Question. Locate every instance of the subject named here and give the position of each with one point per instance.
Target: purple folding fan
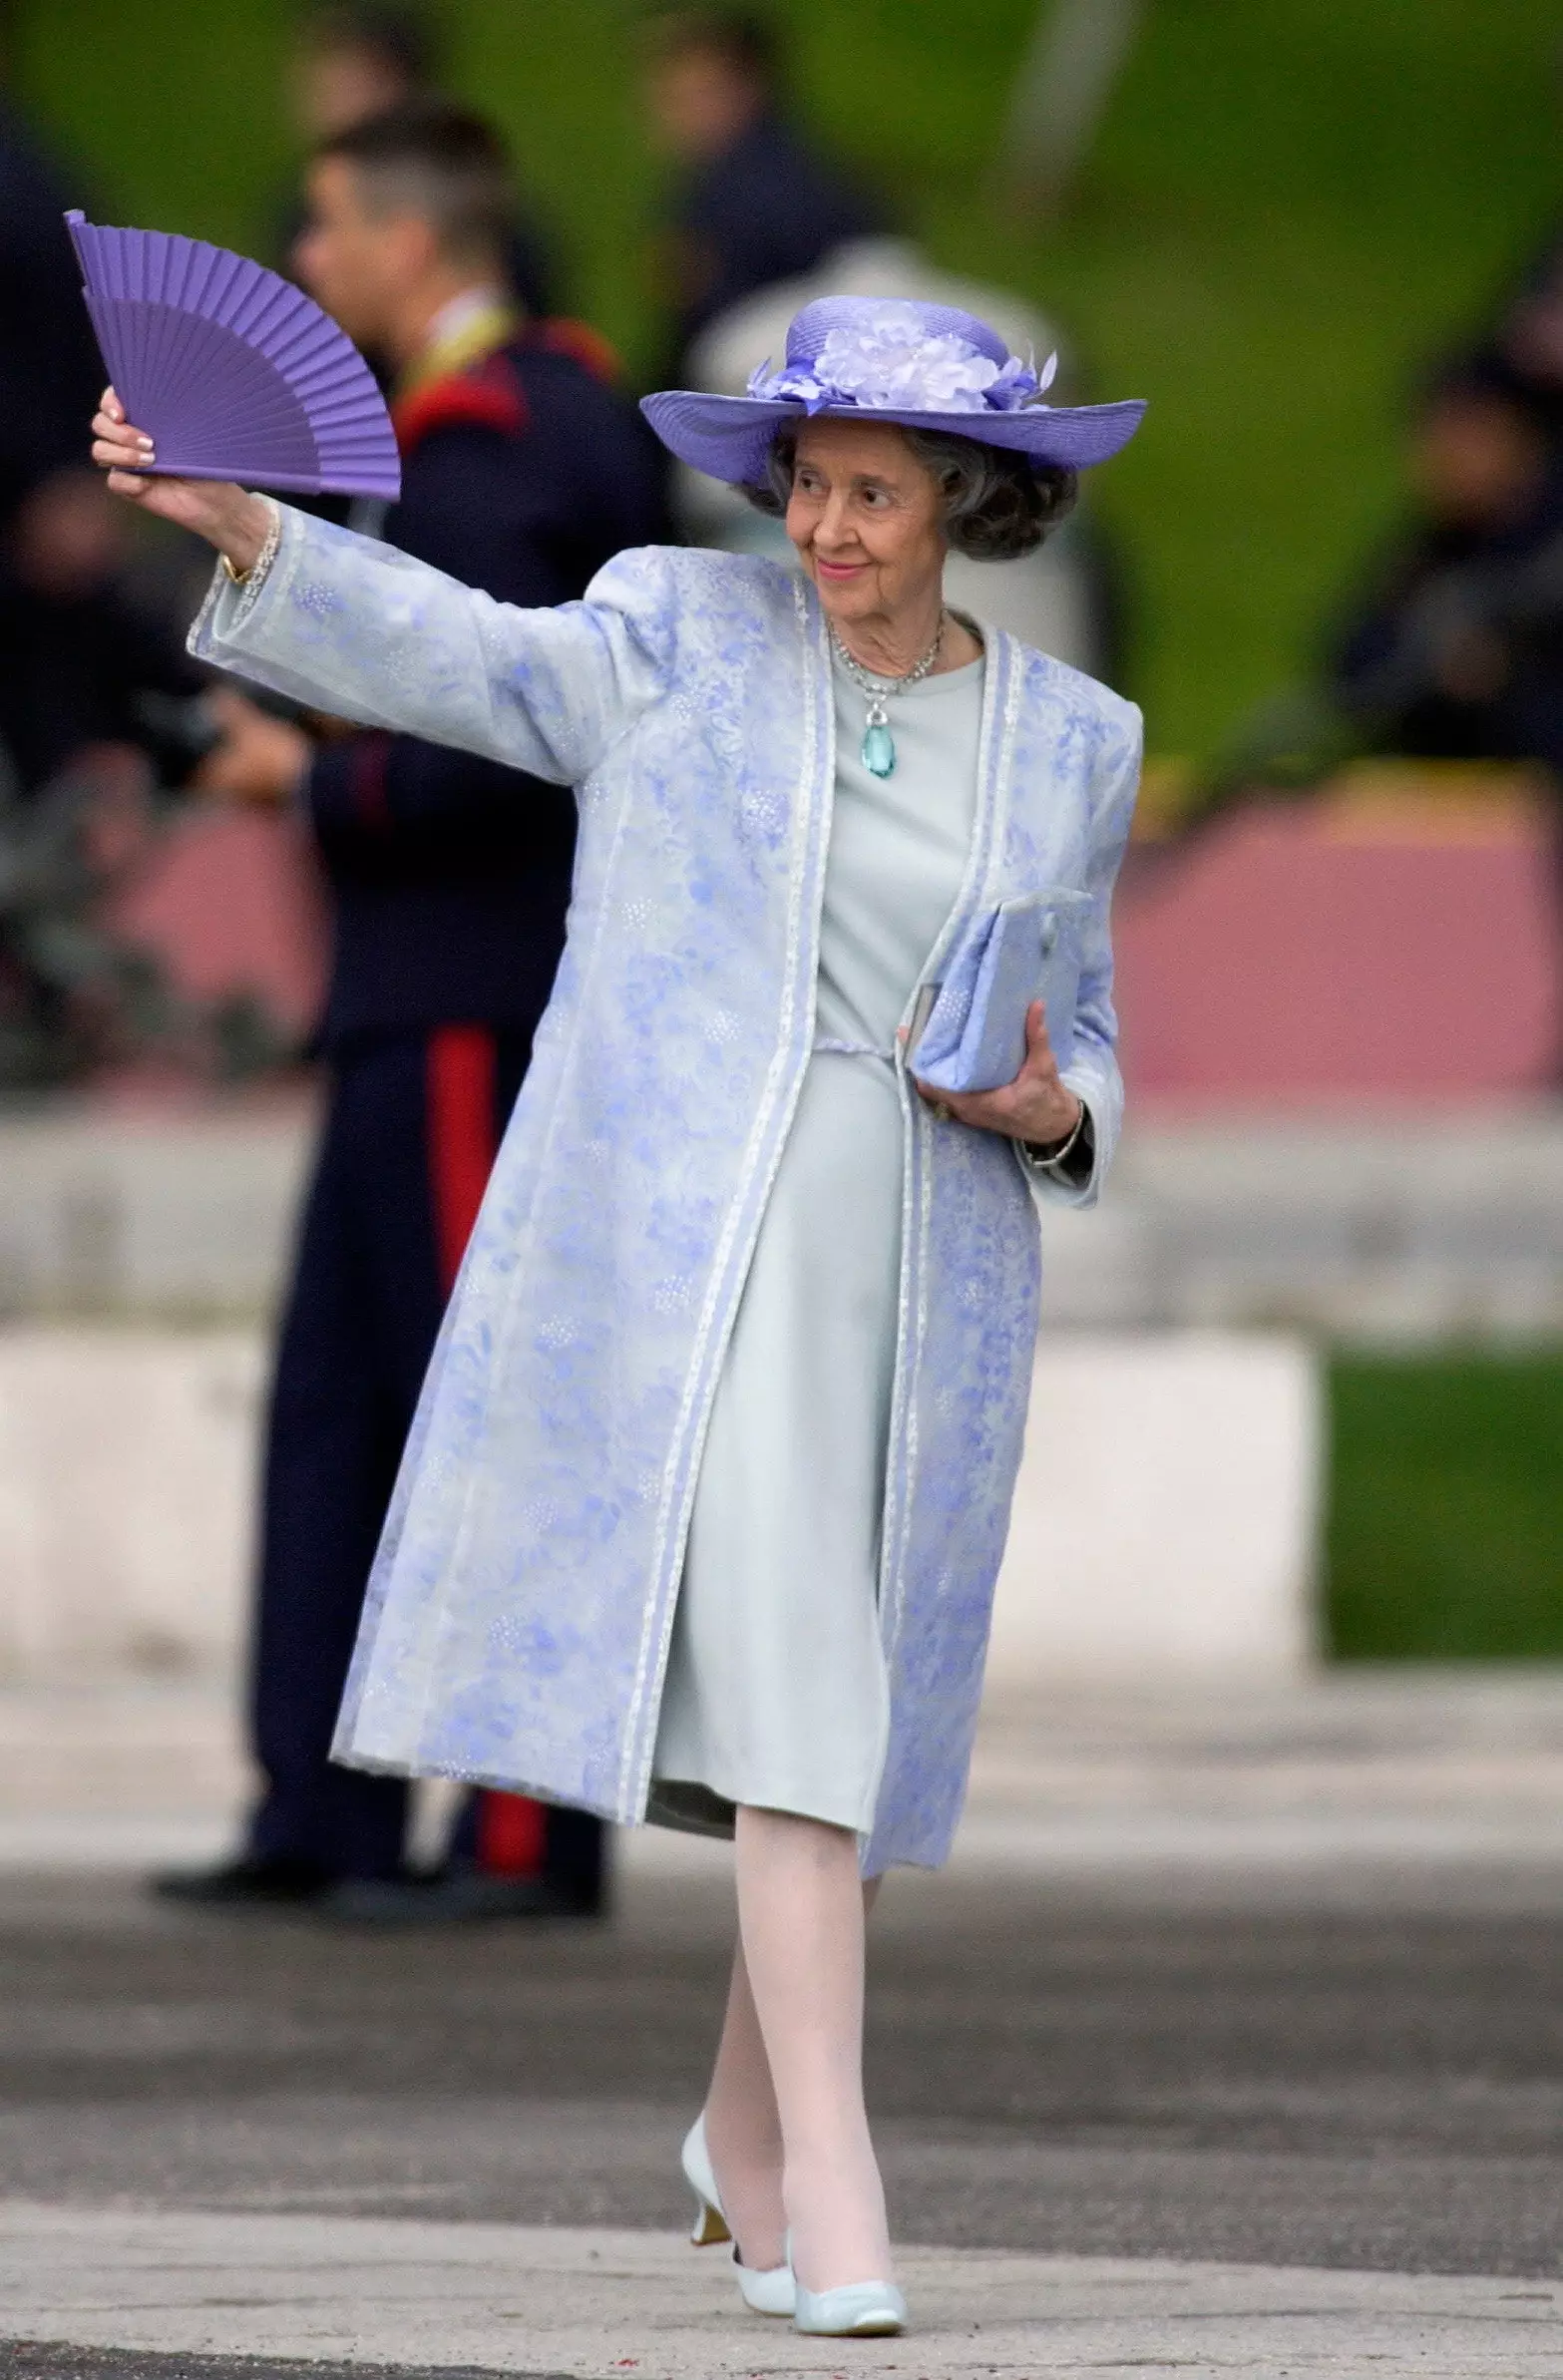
(233, 373)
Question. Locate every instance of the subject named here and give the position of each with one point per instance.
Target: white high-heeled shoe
(853, 2310)
(857, 2310)
(772, 2292)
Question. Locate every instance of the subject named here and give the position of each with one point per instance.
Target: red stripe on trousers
(366, 775)
(463, 1135)
(461, 1072)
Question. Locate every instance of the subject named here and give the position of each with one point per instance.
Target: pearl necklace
(879, 746)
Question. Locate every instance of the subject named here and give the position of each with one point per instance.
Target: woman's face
(867, 519)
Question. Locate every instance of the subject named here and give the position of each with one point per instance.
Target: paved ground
(554, 2304)
(1232, 2044)
(1051, 2072)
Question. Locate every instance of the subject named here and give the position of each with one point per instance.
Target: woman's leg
(744, 2130)
(800, 1917)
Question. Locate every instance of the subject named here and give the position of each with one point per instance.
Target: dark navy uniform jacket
(768, 209)
(449, 876)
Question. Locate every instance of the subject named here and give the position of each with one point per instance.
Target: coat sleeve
(1092, 1073)
(353, 628)
(488, 510)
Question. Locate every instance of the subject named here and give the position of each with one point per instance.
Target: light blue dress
(776, 1691)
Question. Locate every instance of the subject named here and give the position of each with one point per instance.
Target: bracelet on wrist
(255, 571)
(1043, 1152)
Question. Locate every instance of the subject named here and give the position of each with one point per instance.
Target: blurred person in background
(83, 647)
(351, 62)
(1455, 651)
(753, 202)
(47, 351)
(79, 650)
(99, 702)
(522, 473)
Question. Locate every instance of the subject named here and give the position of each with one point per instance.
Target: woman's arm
(1092, 1071)
(353, 628)
(1065, 1123)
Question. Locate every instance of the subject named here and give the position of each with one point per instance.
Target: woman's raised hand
(1039, 1107)
(226, 515)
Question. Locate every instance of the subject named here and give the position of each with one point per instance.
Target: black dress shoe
(242, 1883)
(448, 1896)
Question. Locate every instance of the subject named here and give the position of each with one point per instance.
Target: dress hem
(688, 1807)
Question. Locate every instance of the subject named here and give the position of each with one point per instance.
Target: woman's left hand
(1037, 1107)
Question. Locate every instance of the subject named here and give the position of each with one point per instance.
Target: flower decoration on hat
(887, 360)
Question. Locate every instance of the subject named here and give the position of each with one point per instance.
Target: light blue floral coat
(518, 1618)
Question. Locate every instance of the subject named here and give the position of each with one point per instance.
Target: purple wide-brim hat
(894, 361)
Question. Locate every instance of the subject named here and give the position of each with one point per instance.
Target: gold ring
(943, 1114)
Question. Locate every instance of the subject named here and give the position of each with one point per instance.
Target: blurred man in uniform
(354, 59)
(522, 473)
(754, 202)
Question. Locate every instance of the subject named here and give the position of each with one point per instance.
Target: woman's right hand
(227, 517)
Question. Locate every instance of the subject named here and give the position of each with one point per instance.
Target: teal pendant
(879, 749)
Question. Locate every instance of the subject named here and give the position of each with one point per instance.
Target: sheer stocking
(796, 2009)
(744, 2130)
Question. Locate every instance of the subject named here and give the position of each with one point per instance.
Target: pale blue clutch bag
(1029, 948)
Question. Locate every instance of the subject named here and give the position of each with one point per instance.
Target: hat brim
(729, 437)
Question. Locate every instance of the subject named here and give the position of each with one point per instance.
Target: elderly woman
(701, 1514)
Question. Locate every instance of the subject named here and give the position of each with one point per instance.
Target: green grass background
(1444, 1537)
(1293, 200)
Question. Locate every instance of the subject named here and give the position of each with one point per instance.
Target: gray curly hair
(997, 504)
